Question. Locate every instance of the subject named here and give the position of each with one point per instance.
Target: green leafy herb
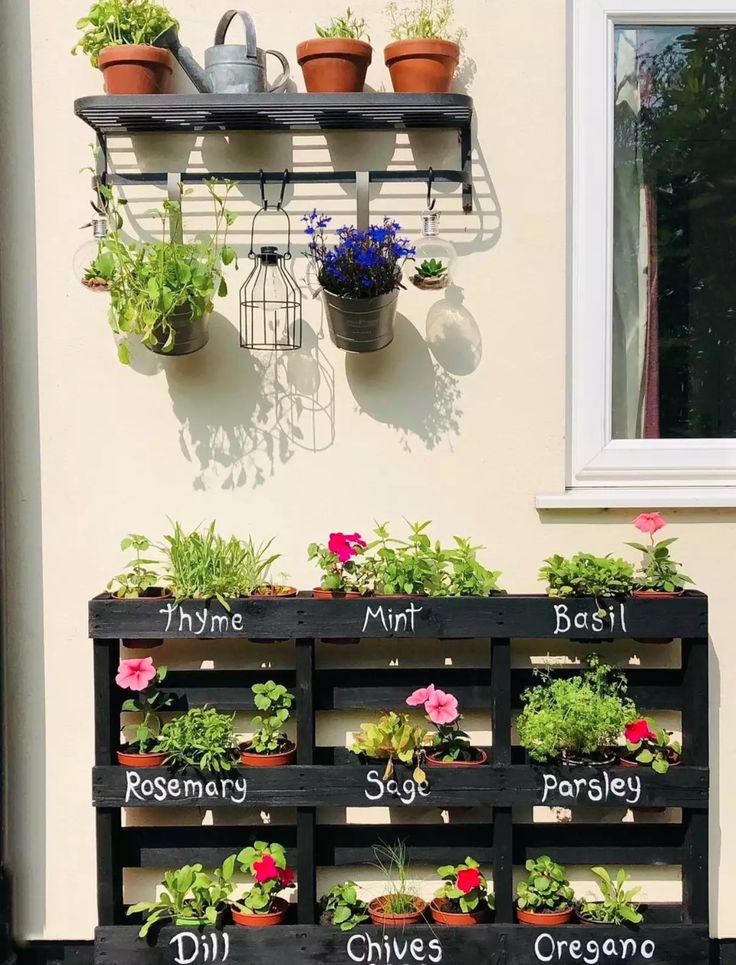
(425, 20)
(138, 578)
(587, 575)
(617, 907)
(110, 23)
(393, 738)
(342, 907)
(201, 738)
(275, 701)
(189, 895)
(546, 888)
(348, 27)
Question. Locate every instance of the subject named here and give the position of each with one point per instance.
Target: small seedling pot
(456, 919)
(422, 66)
(277, 915)
(251, 759)
(129, 759)
(379, 915)
(154, 593)
(274, 591)
(334, 65)
(483, 759)
(545, 919)
(136, 69)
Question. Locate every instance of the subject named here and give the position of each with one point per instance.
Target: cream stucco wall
(465, 436)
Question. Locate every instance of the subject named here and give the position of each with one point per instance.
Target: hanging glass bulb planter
(435, 257)
(92, 265)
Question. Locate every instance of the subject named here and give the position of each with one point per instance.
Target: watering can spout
(169, 40)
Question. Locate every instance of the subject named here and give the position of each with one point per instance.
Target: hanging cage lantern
(270, 299)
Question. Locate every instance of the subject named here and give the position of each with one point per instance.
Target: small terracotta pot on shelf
(251, 759)
(334, 65)
(130, 759)
(136, 69)
(455, 919)
(320, 594)
(275, 591)
(154, 593)
(545, 919)
(277, 916)
(379, 915)
(483, 759)
(422, 66)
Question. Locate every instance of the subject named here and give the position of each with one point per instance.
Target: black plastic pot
(190, 334)
(361, 324)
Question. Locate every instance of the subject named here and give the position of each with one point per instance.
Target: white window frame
(655, 468)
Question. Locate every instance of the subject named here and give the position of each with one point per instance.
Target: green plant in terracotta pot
(336, 61)
(617, 906)
(425, 52)
(398, 907)
(545, 898)
(141, 677)
(393, 739)
(141, 579)
(658, 575)
(190, 897)
(118, 37)
(650, 746)
(201, 738)
(584, 574)
(269, 746)
(410, 567)
(450, 746)
(342, 907)
(341, 563)
(261, 907)
(464, 898)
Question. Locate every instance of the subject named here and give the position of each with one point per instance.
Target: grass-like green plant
(275, 703)
(137, 578)
(617, 906)
(349, 27)
(587, 575)
(110, 23)
(202, 564)
(575, 717)
(342, 907)
(393, 863)
(546, 888)
(393, 738)
(190, 897)
(423, 20)
(201, 738)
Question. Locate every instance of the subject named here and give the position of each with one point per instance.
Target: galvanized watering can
(228, 68)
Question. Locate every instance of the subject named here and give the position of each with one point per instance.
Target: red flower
(343, 545)
(467, 879)
(265, 869)
(286, 877)
(638, 731)
(649, 522)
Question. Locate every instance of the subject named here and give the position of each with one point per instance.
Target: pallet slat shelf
(503, 792)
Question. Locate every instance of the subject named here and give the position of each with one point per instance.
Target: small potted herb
(201, 738)
(425, 53)
(617, 906)
(190, 897)
(410, 567)
(360, 277)
(545, 898)
(256, 569)
(140, 676)
(451, 746)
(650, 746)
(119, 37)
(337, 60)
(394, 738)
(340, 562)
(466, 575)
(269, 746)
(138, 581)
(261, 907)
(342, 908)
(602, 577)
(658, 576)
(464, 898)
(399, 907)
(578, 719)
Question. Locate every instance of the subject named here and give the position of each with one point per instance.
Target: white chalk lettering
(162, 788)
(169, 611)
(392, 622)
(595, 789)
(392, 950)
(206, 946)
(406, 791)
(237, 622)
(549, 949)
(592, 621)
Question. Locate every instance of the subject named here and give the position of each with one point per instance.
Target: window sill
(695, 497)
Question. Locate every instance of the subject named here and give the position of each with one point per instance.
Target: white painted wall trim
(651, 498)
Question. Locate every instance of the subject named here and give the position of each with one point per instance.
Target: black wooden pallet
(501, 792)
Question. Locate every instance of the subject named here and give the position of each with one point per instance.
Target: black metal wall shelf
(498, 796)
(163, 113)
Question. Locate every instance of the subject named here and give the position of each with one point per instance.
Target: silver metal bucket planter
(361, 324)
(190, 334)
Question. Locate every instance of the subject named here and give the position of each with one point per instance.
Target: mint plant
(466, 576)
(342, 907)
(411, 566)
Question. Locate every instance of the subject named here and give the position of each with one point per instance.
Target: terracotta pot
(154, 593)
(277, 592)
(334, 65)
(435, 763)
(656, 594)
(267, 760)
(280, 909)
(624, 763)
(128, 759)
(376, 909)
(422, 66)
(319, 594)
(456, 918)
(545, 919)
(136, 69)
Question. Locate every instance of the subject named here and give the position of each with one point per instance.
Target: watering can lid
(250, 30)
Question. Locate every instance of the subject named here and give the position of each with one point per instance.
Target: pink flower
(441, 707)
(649, 522)
(286, 877)
(265, 869)
(638, 731)
(135, 674)
(467, 879)
(420, 696)
(343, 545)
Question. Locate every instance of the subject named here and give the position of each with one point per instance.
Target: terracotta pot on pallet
(545, 919)
(455, 918)
(319, 594)
(251, 759)
(422, 66)
(136, 69)
(154, 593)
(379, 915)
(129, 759)
(334, 65)
(277, 916)
(483, 759)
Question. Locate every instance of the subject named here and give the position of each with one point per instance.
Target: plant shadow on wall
(404, 388)
(243, 413)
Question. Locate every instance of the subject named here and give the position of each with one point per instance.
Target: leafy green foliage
(459, 899)
(393, 738)
(348, 576)
(425, 20)
(113, 22)
(276, 702)
(148, 703)
(575, 716)
(189, 895)
(465, 575)
(392, 861)
(342, 907)
(348, 27)
(546, 888)
(414, 565)
(433, 268)
(658, 571)
(658, 752)
(452, 744)
(587, 575)
(201, 738)
(254, 860)
(100, 271)
(617, 907)
(137, 578)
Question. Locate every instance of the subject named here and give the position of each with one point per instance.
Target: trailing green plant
(393, 863)
(423, 20)
(152, 281)
(275, 701)
(190, 896)
(432, 269)
(577, 716)
(414, 565)
(139, 675)
(617, 906)
(349, 27)
(110, 23)
(341, 906)
(657, 571)
(651, 746)
(587, 575)
(546, 888)
(393, 738)
(137, 578)
(466, 576)
(202, 564)
(465, 888)
(267, 864)
(201, 738)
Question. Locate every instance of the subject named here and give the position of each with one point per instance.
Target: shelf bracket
(174, 192)
(466, 162)
(363, 200)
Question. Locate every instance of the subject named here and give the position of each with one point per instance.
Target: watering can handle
(283, 77)
(250, 30)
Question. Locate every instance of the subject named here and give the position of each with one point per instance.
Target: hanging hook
(284, 180)
(430, 200)
(264, 199)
